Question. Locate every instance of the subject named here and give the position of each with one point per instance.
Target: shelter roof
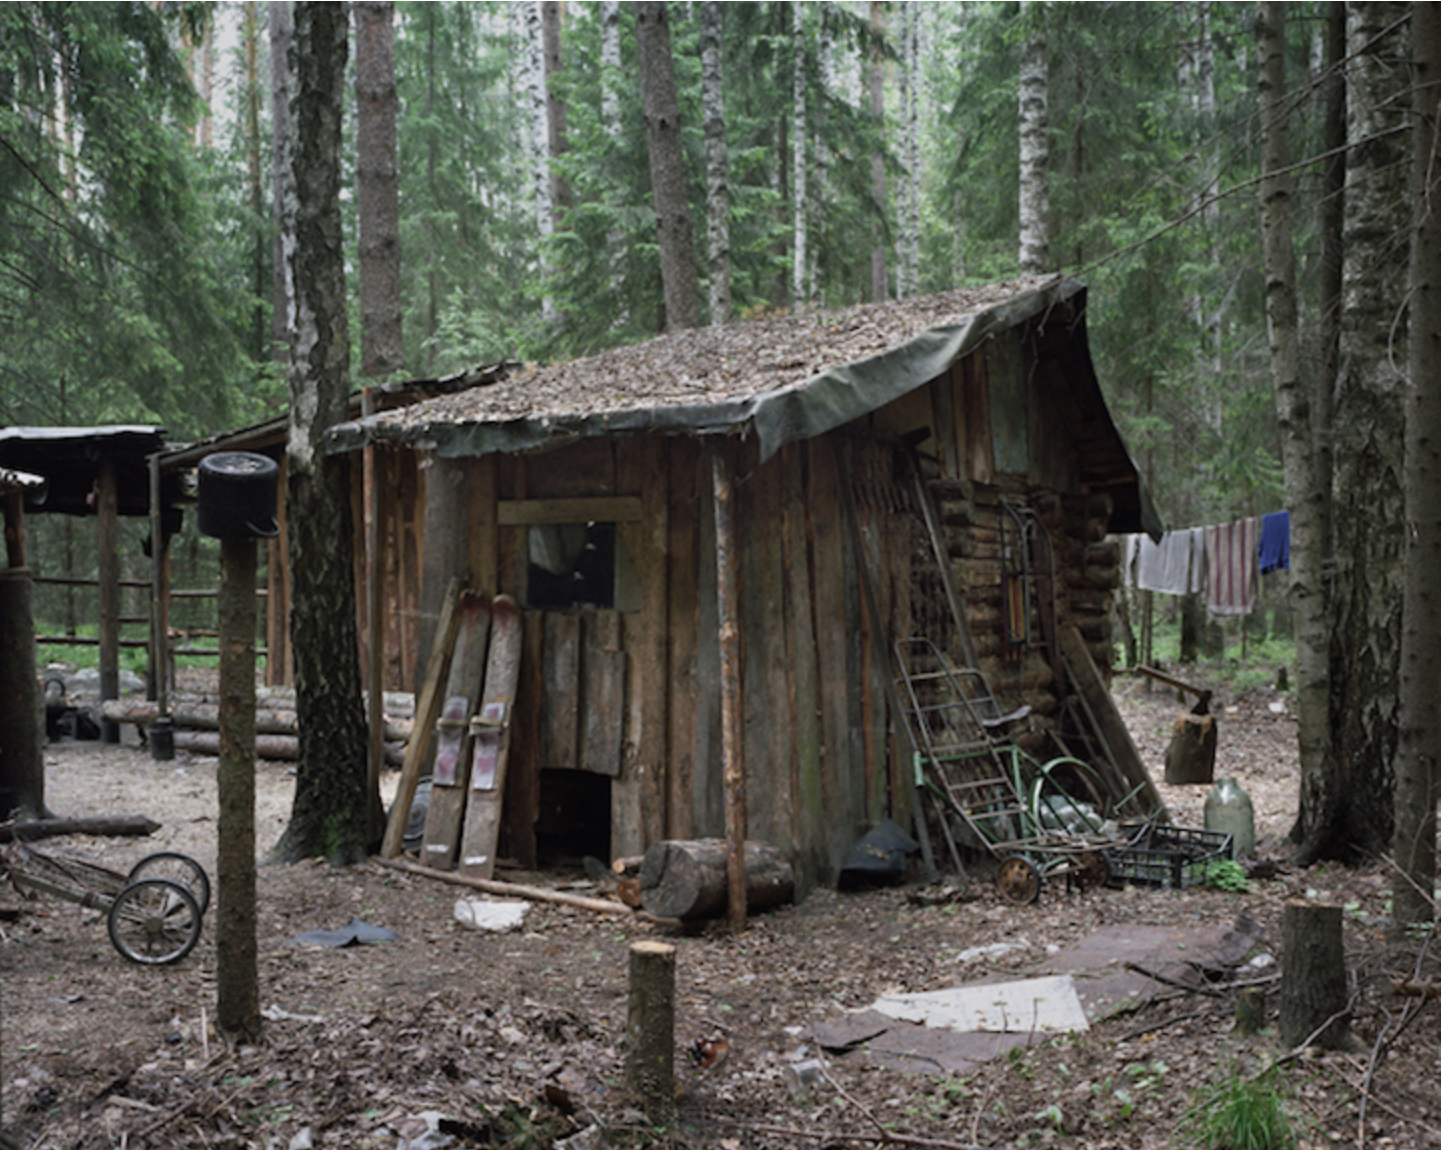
(782, 378)
(69, 460)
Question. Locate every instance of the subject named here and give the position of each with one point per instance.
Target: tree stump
(651, 1029)
(687, 878)
(1251, 1013)
(1314, 976)
(1192, 753)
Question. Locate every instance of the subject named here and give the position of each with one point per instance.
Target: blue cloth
(1274, 550)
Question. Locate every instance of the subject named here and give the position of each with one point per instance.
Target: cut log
(1192, 753)
(118, 826)
(687, 879)
(1314, 976)
(205, 716)
(283, 748)
(651, 1029)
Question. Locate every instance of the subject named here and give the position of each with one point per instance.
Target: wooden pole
(651, 1029)
(375, 624)
(733, 778)
(236, 976)
(162, 743)
(107, 511)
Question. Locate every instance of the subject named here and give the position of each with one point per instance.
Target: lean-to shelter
(584, 490)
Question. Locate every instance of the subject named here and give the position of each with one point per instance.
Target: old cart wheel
(178, 868)
(154, 921)
(1018, 880)
(1092, 869)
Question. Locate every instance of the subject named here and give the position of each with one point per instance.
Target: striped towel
(1232, 568)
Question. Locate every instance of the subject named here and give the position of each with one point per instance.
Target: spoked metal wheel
(1091, 870)
(1018, 880)
(154, 921)
(178, 868)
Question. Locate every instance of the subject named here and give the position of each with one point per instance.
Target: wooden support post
(162, 741)
(651, 1029)
(375, 622)
(236, 977)
(107, 510)
(1314, 976)
(733, 777)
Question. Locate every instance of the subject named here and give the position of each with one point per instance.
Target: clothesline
(1223, 560)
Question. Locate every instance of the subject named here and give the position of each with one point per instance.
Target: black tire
(178, 868)
(154, 922)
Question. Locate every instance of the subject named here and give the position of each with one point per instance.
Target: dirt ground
(453, 1037)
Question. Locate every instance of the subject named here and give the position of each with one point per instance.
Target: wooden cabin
(585, 490)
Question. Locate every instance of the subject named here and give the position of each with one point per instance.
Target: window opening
(571, 566)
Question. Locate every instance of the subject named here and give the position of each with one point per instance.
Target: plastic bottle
(1229, 809)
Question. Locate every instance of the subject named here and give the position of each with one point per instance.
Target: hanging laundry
(1165, 567)
(1274, 552)
(1232, 567)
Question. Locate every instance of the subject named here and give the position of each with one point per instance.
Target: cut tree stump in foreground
(651, 1029)
(686, 879)
(1314, 976)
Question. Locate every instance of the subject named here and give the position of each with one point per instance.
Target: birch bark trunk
(1034, 255)
(798, 158)
(718, 210)
(533, 85)
(876, 92)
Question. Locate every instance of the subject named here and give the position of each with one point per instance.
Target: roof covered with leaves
(785, 377)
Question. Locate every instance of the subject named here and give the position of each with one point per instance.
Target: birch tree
(908, 275)
(611, 66)
(718, 208)
(877, 95)
(538, 151)
(1034, 252)
(282, 192)
(668, 166)
(330, 815)
(1346, 813)
(555, 107)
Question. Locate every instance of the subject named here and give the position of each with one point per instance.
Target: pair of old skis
(473, 737)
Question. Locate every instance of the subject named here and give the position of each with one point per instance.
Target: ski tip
(504, 605)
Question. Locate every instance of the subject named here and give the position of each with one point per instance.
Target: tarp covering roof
(783, 379)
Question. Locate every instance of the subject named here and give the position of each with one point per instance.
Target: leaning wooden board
(491, 742)
(448, 777)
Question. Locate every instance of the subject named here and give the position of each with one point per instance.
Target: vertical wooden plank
(728, 605)
(444, 554)
(482, 558)
(561, 689)
(768, 730)
(603, 693)
(803, 701)
(828, 549)
(522, 803)
(682, 621)
(976, 403)
(707, 802)
(107, 516)
(638, 798)
(943, 404)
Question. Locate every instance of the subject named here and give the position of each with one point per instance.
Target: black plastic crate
(1165, 856)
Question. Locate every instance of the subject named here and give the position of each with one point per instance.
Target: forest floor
(450, 1036)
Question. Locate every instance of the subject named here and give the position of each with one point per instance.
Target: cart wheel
(1018, 880)
(177, 868)
(154, 921)
(1092, 869)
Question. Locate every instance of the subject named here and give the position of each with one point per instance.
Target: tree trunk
(1347, 812)
(1034, 253)
(878, 156)
(331, 811)
(378, 189)
(282, 191)
(718, 224)
(611, 67)
(1314, 975)
(556, 145)
(236, 974)
(688, 879)
(1414, 839)
(1308, 598)
(1329, 266)
(539, 134)
(250, 35)
(798, 157)
(909, 272)
(668, 166)
(22, 764)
